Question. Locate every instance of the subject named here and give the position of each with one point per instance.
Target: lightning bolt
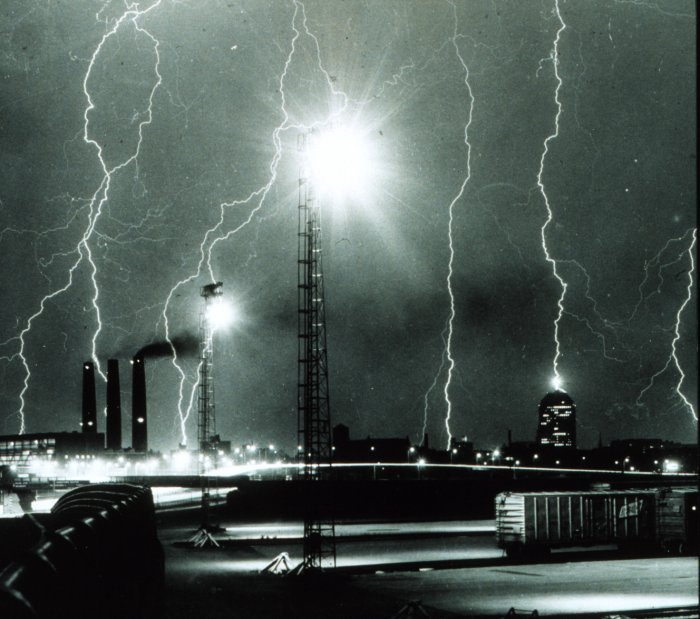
(447, 357)
(599, 326)
(256, 199)
(433, 385)
(554, 57)
(450, 265)
(40, 235)
(673, 357)
(498, 221)
(608, 325)
(656, 264)
(83, 250)
(653, 6)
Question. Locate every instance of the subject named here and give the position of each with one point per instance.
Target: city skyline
(530, 212)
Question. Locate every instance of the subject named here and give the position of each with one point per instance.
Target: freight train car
(677, 519)
(536, 522)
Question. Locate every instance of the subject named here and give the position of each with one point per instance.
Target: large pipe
(114, 407)
(89, 418)
(139, 419)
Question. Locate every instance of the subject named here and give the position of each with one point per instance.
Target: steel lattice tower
(314, 422)
(207, 438)
(206, 420)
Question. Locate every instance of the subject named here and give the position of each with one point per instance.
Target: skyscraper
(557, 421)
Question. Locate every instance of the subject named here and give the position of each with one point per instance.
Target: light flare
(220, 314)
(339, 161)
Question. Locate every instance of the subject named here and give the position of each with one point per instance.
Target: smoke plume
(185, 344)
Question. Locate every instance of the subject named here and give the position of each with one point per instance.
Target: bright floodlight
(182, 460)
(339, 161)
(219, 314)
(671, 466)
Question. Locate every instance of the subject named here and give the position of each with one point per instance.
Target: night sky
(194, 109)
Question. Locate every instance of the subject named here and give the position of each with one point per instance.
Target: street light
(420, 464)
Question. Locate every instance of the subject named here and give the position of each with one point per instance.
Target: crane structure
(313, 409)
(207, 438)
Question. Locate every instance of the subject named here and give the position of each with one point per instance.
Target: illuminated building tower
(313, 411)
(139, 417)
(89, 419)
(114, 407)
(206, 420)
(557, 421)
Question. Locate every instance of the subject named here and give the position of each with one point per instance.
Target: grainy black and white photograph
(377, 309)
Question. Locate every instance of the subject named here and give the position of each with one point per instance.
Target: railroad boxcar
(677, 519)
(532, 522)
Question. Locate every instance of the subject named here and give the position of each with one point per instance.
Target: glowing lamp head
(339, 161)
(219, 314)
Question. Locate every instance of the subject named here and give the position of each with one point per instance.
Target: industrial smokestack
(89, 420)
(139, 420)
(114, 407)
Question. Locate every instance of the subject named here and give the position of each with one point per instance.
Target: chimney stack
(114, 407)
(139, 420)
(89, 419)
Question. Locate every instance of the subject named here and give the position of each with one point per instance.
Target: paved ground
(605, 586)
(224, 582)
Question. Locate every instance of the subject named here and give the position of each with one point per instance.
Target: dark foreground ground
(380, 574)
